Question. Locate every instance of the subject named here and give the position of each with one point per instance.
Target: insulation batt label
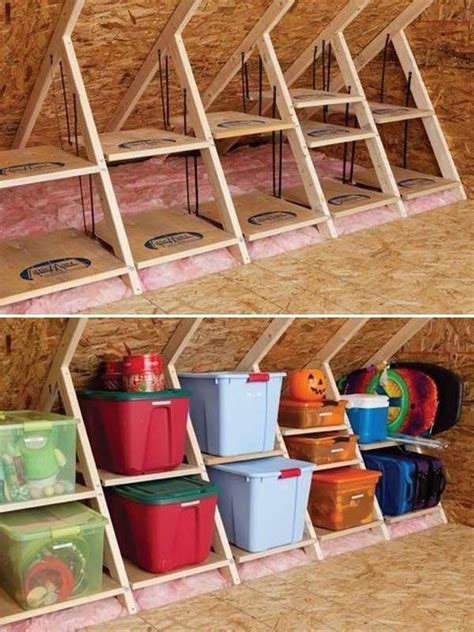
(53, 267)
(29, 167)
(169, 240)
(146, 143)
(270, 217)
(339, 200)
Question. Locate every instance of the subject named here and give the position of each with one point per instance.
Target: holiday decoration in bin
(368, 415)
(326, 448)
(37, 455)
(263, 502)
(234, 413)
(342, 498)
(51, 554)
(136, 433)
(172, 522)
(134, 373)
(304, 404)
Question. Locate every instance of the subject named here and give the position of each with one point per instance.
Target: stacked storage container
(262, 501)
(368, 415)
(51, 554)
(37, 455)
(136, 432)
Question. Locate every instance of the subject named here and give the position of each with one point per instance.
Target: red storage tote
(164, 525)
(136, 433)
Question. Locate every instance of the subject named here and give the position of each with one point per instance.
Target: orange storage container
(343, 498)
(293, 414)
(328, 447)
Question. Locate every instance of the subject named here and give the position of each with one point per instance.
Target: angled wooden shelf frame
(168, 234)
(262, 214)
(411, 184)
(59, 384)
(49, 262)
(343, 197)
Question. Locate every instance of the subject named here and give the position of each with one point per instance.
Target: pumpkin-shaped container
(307, 385)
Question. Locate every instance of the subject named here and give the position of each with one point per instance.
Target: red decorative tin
(143, 373)
(112, 378)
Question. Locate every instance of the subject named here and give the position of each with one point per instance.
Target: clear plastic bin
(51, 554)
(343, 498)
(234, 413)
(293, 414)
(37, 455)
(328, 447)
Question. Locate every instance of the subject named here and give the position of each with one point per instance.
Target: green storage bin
(37, 455)
(51, 554)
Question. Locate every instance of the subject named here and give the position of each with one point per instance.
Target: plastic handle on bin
(258, 377)
(67, 532)
(191, 503)
(357, 496)
(291, 472)
(326, 414)
(162, 403)
(337, 450)
(35, 426)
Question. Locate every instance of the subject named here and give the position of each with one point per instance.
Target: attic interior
(68, 358)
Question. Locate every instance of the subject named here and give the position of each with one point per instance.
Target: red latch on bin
(258, 377)
(291, 472)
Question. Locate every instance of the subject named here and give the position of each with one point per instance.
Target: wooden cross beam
(181, 17)
(67, 21)
(342, 20)
(264, 26)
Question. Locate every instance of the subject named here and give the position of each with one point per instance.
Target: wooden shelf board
(241, 556)
(318, 134)
(336, 464)
(81, 493)
(289, 432)
(391, 113)
(365, 447)
(325, 534)
(11, 612)
(262, 215)
(210, 459)
(343, 199)
(413, 514)
(235, 124)
(308, 98)
(109, 479)
(411, 184)
(166, 235)
(40, 164)
(146, 142)
(50, 262)
(141, 579)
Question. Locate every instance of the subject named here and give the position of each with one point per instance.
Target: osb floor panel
(419, 582)
(420, 265)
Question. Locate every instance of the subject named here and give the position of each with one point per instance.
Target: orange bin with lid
(343, 498)
(294, 414)
(326, 448)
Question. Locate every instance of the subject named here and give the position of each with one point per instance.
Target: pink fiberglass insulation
(155, 184)
(171, 592)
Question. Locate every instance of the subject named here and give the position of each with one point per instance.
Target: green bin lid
(179, 490)
(55, 521)
(126, 396)
(18, 418)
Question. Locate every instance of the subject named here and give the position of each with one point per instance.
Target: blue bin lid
(238, 375)
(272, 467)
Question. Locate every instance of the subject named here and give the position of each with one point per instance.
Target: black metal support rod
(384, 69)
(260, 85)
(244, 96)
(315, 60)
(407, 122)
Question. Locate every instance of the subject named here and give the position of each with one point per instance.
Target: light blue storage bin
(368, 415)
(234, 413)
(263, 502)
